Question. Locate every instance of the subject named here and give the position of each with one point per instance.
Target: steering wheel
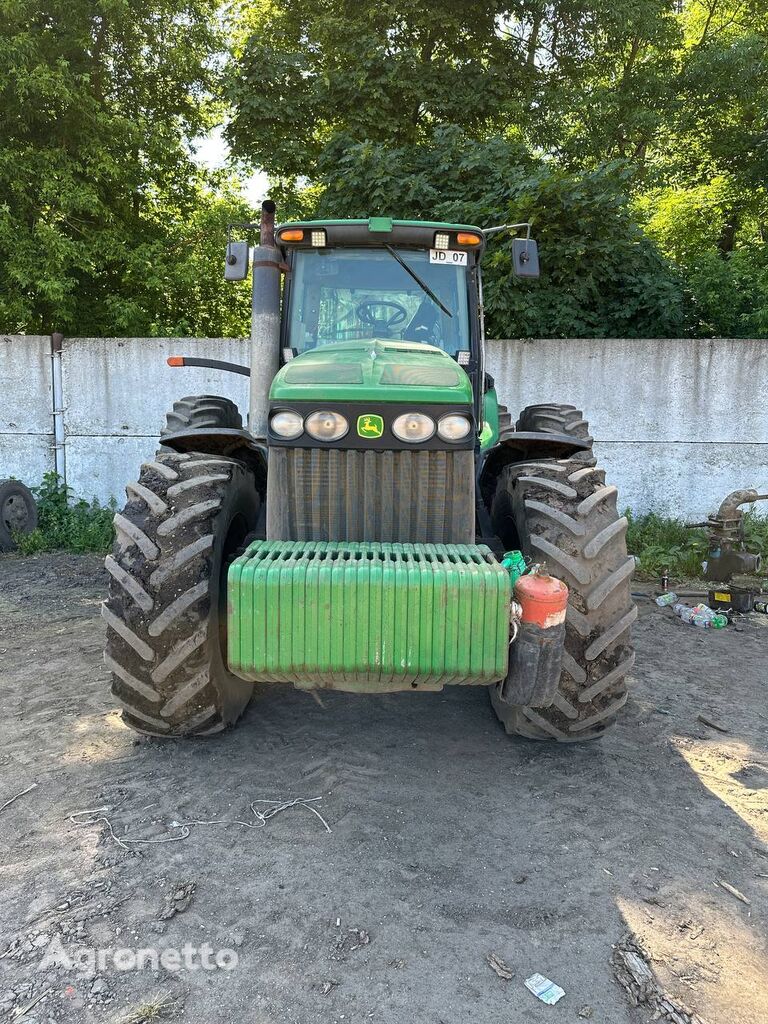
(366, 314)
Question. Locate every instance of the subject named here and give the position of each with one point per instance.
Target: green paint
(377, 361)
(370, 426)
(490, 432)
(383, 224)
(514, 563)
(368, 617)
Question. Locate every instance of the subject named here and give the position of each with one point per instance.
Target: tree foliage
(636, 130)
(600, 275)
(633, 132)
(105, 219)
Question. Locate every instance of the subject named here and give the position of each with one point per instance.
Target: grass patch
(154, 1009)
(67, 524)
(662, 543)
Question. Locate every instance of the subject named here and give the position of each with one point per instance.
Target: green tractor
(371, 527)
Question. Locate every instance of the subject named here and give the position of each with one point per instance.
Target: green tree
(580, 102)
(103, 211)
(386, 73)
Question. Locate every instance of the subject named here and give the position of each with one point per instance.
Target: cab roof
(376, 231)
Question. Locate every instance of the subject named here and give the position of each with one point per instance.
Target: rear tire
(560, 419)
(505, 419)
(199, 411)
(186, 518)
(560, 512)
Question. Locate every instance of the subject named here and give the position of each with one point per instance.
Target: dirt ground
(448, 841)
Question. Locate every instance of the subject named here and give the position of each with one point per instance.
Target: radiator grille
(336, 494)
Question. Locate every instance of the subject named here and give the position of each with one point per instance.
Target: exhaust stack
(265, 321)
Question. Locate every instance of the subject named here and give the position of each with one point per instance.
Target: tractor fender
(524, 446)
(227, 441)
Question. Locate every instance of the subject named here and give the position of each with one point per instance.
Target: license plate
(448, 257)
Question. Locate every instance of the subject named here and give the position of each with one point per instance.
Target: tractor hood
(373, 370)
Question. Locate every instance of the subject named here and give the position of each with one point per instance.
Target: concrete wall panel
(27, 457)
(25, 384)
(123, 386)
(710, 390)
(101, 467)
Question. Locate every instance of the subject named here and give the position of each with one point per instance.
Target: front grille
(418, 497)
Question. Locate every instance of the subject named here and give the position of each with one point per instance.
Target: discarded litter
(260, 819)
(712, 725)
(733, 891)
(544, 989)
(664, 599)
(497, 964)
(700, 615)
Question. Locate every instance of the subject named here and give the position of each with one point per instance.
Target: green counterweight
(368, 617)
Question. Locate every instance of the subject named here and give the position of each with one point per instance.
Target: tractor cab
(384, 280)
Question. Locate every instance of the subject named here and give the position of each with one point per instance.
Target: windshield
(349, 294)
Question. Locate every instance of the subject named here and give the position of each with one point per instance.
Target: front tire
(186, 518)
(561, 512)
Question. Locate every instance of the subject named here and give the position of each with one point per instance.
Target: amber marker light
(292, 235)
(468, 238)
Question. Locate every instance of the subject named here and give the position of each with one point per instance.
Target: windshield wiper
(422, 284)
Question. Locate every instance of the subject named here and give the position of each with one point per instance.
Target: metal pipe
(57, 382)
(730, 504)
(265, 321)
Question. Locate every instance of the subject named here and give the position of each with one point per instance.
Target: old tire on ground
(561, 512)
(18, 512)
(201, 411)
(561, 419)
(185, 519)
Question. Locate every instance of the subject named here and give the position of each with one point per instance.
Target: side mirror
(237, 260)
(525, 257)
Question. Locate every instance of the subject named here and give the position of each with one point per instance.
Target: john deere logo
(370, 426)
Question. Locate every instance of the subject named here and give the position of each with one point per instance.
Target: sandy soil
(448, 840)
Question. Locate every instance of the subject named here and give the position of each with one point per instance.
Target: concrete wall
(116, 394)
(26, 406)
(678, 423)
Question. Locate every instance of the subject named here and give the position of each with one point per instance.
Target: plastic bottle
(719, 621)
(666, 599)
(762, 607)
(703, 616)
(683, 611)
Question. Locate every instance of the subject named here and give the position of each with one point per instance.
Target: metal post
(59, 451)
(265, 321)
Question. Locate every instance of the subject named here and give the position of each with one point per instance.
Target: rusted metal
(267, 226)
(728, 554)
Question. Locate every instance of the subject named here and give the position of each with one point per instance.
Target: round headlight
(287, 424)
(413, 427)
(454, 427)
(326, 426)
